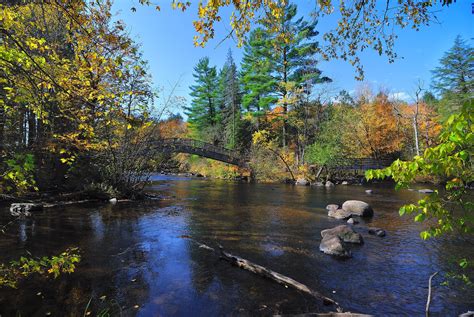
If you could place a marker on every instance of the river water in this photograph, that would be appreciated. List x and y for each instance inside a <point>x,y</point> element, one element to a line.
<point>138,260</point>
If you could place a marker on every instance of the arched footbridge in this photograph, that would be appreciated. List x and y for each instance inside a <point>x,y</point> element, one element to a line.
<point>204,149</point>
<point>241,159</point>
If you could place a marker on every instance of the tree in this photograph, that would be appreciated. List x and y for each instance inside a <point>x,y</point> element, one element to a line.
<point>373,132</point>
<point>453,79</point>
<point>74,87</point>
<point>203,113</point>
<point>229,100</point>
<point>294,49</point>
<point>258,85</point>
<point>451,162</point>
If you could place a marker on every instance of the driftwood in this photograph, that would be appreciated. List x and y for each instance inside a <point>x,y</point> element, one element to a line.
<point>66,203</point>
<point>428,301</point>
<point>267,273</point>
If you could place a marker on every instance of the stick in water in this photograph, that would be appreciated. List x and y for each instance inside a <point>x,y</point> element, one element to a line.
<point>427,310</point>
<point>262,271</point>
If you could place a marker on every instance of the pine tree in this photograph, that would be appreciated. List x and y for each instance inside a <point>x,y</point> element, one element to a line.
<point>203,115</point>
<point>229,101</point>
<point>258,85</point>
<point>454,78</point>
<point>295,47</point>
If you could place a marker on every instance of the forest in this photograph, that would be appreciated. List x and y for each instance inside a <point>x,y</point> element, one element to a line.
<point>81,118</point>
<point>75,117</point>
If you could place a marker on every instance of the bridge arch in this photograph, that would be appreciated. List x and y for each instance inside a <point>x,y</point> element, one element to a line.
<point>204,149</point>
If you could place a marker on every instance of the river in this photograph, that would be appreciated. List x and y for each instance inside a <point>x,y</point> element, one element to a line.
<point>137,259</point>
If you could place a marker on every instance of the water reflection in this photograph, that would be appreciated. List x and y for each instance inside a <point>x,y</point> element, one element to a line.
<point>136,261</point>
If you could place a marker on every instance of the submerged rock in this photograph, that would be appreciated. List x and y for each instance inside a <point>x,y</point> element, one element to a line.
<point>24,209</point>
<point>329,184</point>
<point>358,208</point>
<point>378,232</point>
<point>302,182</point>
<point>339,214</point>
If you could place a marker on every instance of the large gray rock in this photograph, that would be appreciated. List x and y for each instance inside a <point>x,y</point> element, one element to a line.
<point>302,182</point>
<point>333,245</point>
<point>345,183</point>
<point>346,233</point>
<point>24,209</point>
<point>339,214</point>
<point>358,208</point>
<point>329,184</point>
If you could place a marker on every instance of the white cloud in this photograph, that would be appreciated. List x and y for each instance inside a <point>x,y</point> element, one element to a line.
<point>400,95</point>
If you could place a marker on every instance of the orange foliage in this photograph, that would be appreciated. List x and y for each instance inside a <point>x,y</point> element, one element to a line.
<point>374,131</point>
<point>428,123</point>
<point>173,128</point>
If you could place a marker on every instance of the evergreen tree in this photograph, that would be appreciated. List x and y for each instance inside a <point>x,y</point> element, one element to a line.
<point>258,85</point>
<point>454,78</point>
<point>203,114</point>
<point>294,50</point>
<point>229,101</point>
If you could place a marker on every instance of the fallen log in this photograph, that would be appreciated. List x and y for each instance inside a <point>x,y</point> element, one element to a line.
<point>267,273</point>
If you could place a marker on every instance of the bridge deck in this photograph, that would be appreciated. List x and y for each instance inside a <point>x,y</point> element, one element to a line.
<point>237,158</point>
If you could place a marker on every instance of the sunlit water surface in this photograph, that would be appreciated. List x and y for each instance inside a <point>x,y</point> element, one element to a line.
<point>137,259</point>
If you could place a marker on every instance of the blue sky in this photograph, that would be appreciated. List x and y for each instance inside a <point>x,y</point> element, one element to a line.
<point>167,43</point>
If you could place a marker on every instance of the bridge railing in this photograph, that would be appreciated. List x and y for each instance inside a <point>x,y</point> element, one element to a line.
<point>197,144</point>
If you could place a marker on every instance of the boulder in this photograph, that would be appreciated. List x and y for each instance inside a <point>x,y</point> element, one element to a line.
<point>345,183</point>
<point>302,182</point>
<point>378,232</point>
<point>346,233</point>
<point>329,184</point>
<point>426,191</point>
<point>339,214</point>
<point>113,201</point>
<point>332,207</point>
<point>333,245</point>
<point>24,209</point>
<point>358,208</point>
<point>352,221</point>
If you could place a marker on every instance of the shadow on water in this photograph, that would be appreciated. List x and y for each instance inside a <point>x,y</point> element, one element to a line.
<point>136,262</point>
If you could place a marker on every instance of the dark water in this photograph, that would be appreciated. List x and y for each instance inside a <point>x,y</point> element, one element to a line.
<point>134,255</point>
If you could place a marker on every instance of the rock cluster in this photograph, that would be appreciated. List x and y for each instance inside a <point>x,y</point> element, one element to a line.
<point>349,209</point>
<point>335,240</point>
